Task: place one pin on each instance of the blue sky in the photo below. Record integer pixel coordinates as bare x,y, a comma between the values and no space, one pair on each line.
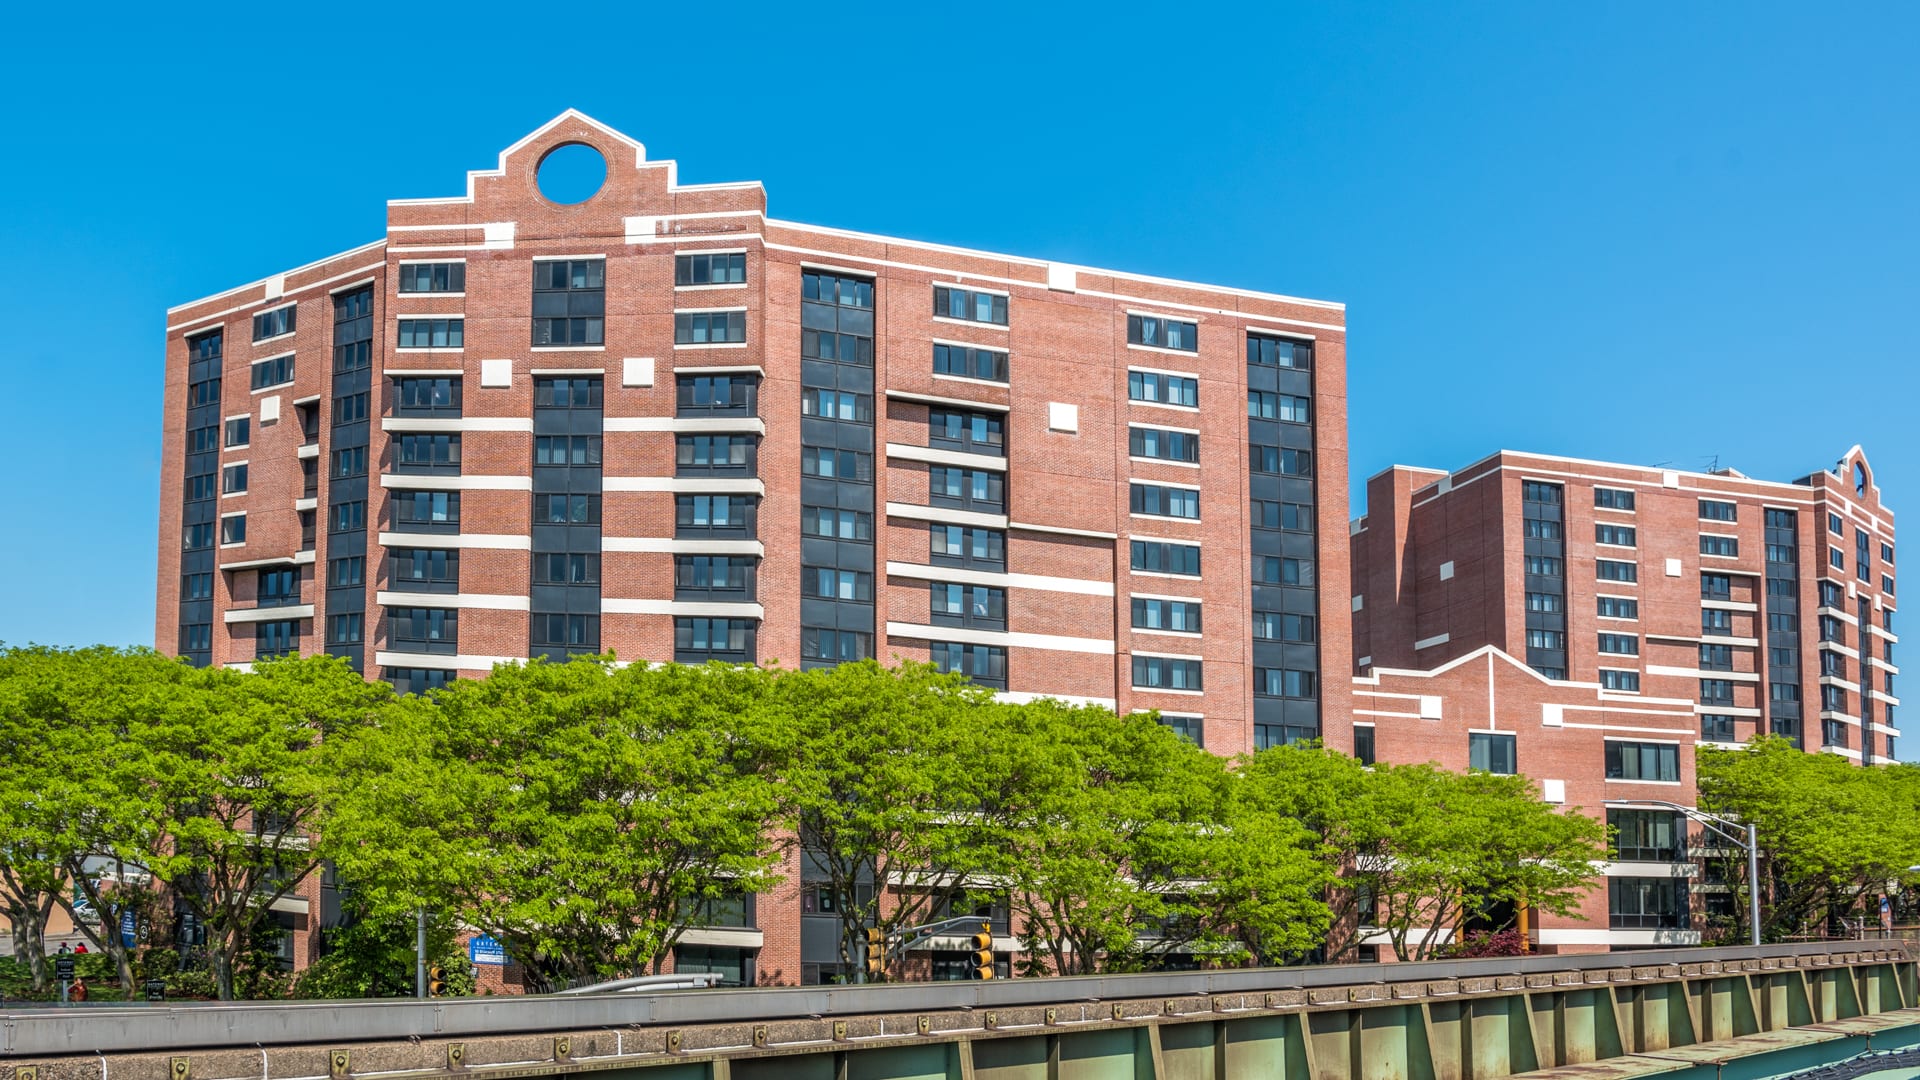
1642,232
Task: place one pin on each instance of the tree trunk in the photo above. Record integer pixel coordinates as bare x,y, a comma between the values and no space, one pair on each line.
32,938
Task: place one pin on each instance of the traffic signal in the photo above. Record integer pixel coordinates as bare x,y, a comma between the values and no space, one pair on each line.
983,953
876,954
436,981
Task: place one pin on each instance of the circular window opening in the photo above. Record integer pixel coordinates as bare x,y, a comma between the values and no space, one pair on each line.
572,173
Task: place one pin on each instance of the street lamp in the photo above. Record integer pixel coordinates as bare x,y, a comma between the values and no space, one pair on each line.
1720,825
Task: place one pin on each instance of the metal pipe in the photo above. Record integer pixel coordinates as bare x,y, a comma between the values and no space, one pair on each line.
1753,880
420,953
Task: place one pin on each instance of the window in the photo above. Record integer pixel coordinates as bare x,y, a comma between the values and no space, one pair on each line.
1292,517
1613,498
1779,656
1642,761
965,362
1541,529
1534,491
710,511
1264,351
1832,595
1157,557
423,453
1162,388
1289,408
1619,607
277,588
828,583
950,302
837,646
836,405
416,509
1716,691
1646,835
1548,602
709,327
1489,752
1781,553
1617,535
1716,727
712,452
345,629
970,432
1716,658
347,517
196,587
1154,613
573,632
1165,673
1280,570
1164,444
273,372
1862,559
1836,558
272,324
276,638
416,680
957,545
566,449
353,330
1831,629
1727,546
1610,570
1783,692
1285,462
1716,622
1189,728
1282,626
1714,510
442,277
835,523
1886,552
855,465
1284,682
239,431
350,409
569,302
1363,743
566,509
1620,644
1161,501
1833,699
568,393
948,486
710,268
345,571
201,488
427,395
565,568
968,605
1647,903
712,636
1556,639
984,664
351,461
428,569
233,529
1833,663
202,440
1627,681
196,637
1160,332
204,392
432,333
233,479
1544,566
1716,586
1886,584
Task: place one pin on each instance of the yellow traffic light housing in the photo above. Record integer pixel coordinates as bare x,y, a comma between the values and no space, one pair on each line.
876,953
983,952
436,981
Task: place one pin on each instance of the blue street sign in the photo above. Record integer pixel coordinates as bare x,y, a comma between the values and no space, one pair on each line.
483,949
129,930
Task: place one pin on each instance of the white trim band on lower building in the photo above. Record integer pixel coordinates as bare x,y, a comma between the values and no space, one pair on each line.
444,661
674,546
957,458
1038,582
1650,869
694,425
456,423
691,608
724,937
1006,639
482,601
495,541
1618,937
424,482
946,516
1023,697
269,614
694,485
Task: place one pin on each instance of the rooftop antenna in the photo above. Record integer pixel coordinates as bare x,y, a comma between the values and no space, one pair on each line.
1713,464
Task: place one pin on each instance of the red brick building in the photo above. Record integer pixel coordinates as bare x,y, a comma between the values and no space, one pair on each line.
1589,624
663,424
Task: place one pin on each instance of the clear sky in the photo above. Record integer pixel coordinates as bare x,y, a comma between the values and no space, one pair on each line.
1641,232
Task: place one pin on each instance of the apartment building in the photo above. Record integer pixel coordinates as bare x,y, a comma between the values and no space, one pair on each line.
662,424
1589,624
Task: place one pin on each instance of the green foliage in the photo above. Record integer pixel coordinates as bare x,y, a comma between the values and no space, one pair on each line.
373,956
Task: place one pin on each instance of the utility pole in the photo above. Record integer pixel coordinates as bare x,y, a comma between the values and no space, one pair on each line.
420,953
1749,839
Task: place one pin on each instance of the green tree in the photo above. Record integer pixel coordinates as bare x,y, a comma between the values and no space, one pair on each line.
1320,791
885,778
372,955
573,811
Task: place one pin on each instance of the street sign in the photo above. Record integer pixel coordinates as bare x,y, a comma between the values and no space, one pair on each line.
63,968
129,930
156,990
484,949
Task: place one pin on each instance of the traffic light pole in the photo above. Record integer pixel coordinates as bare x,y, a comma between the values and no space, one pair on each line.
872,950
420,953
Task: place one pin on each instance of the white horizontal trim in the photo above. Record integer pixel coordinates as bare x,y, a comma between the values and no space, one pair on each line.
691,368
1192,635
1164,596
682,547
420,482
936,399
443,661
966,636
1091,534
455,372
1023,697
960,459
571,348
1164,461
456,423
283,275
1143,369
1728,605
711,286
941,376
1697,673
946,515
685,424
1619,937
565,370
311,503
485,541
1726,710
696,485
1037,582
690,608
486,601
1160,349
277,560
269,614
